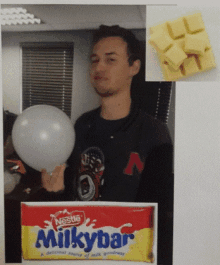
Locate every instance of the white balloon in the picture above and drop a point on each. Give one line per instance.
(9, 182)
(17, 178)
(43, 136)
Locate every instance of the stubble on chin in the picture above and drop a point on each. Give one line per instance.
(104, 94)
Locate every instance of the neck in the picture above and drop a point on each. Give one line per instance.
(116, 107)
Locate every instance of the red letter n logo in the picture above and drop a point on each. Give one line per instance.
(134, 161)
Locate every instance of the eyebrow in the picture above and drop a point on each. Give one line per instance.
(111, 53)
(107, 53)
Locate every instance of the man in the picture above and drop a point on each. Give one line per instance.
(121, 153)
(115, 141)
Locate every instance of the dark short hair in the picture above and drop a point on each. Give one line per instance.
(133, 44)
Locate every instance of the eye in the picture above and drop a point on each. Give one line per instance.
(111, 60)
(94, 61)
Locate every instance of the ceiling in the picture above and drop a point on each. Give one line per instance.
(77, 17)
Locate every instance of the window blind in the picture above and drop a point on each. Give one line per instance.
(163, 101)
(152, 97)
(47, 70)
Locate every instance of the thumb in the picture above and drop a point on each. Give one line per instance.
(43, 171)
(63, 166)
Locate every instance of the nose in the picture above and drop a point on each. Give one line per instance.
(99, 66)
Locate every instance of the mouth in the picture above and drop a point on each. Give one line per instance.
(97, 77)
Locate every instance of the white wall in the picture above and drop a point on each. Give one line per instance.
(197, 167)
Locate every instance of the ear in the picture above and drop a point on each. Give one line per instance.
(135, 67)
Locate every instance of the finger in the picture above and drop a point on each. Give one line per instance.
(59, 169)
(62, 168)
(9, 160)
(60, 172)
(44, 173)
(56, 171)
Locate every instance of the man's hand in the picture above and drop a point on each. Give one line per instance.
(16, 166)
(55, 181)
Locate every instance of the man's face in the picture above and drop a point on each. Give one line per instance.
(110, 72)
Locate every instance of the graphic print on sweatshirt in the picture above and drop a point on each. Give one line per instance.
(90, 174)
(134, 161)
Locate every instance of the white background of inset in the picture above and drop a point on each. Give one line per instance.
(159, 14)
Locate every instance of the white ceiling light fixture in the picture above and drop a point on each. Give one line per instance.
(17, 16)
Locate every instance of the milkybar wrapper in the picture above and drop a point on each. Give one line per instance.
(183, 47)
(84, 231)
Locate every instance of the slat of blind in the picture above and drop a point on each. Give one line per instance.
(61, 74)
(50, 55)
(44, 51)
(45, 59)
(48, 91)
(49, 95)
(47, 75)
(163, 102)
(43, 83)
(58, 55)
(58, 81)
(44, 68)
(49, 101)
(59, 100)
(44, 77)
(60, 105)
(56, 64)
(40, 56)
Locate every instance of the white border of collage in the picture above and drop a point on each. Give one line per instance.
(197, 167)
